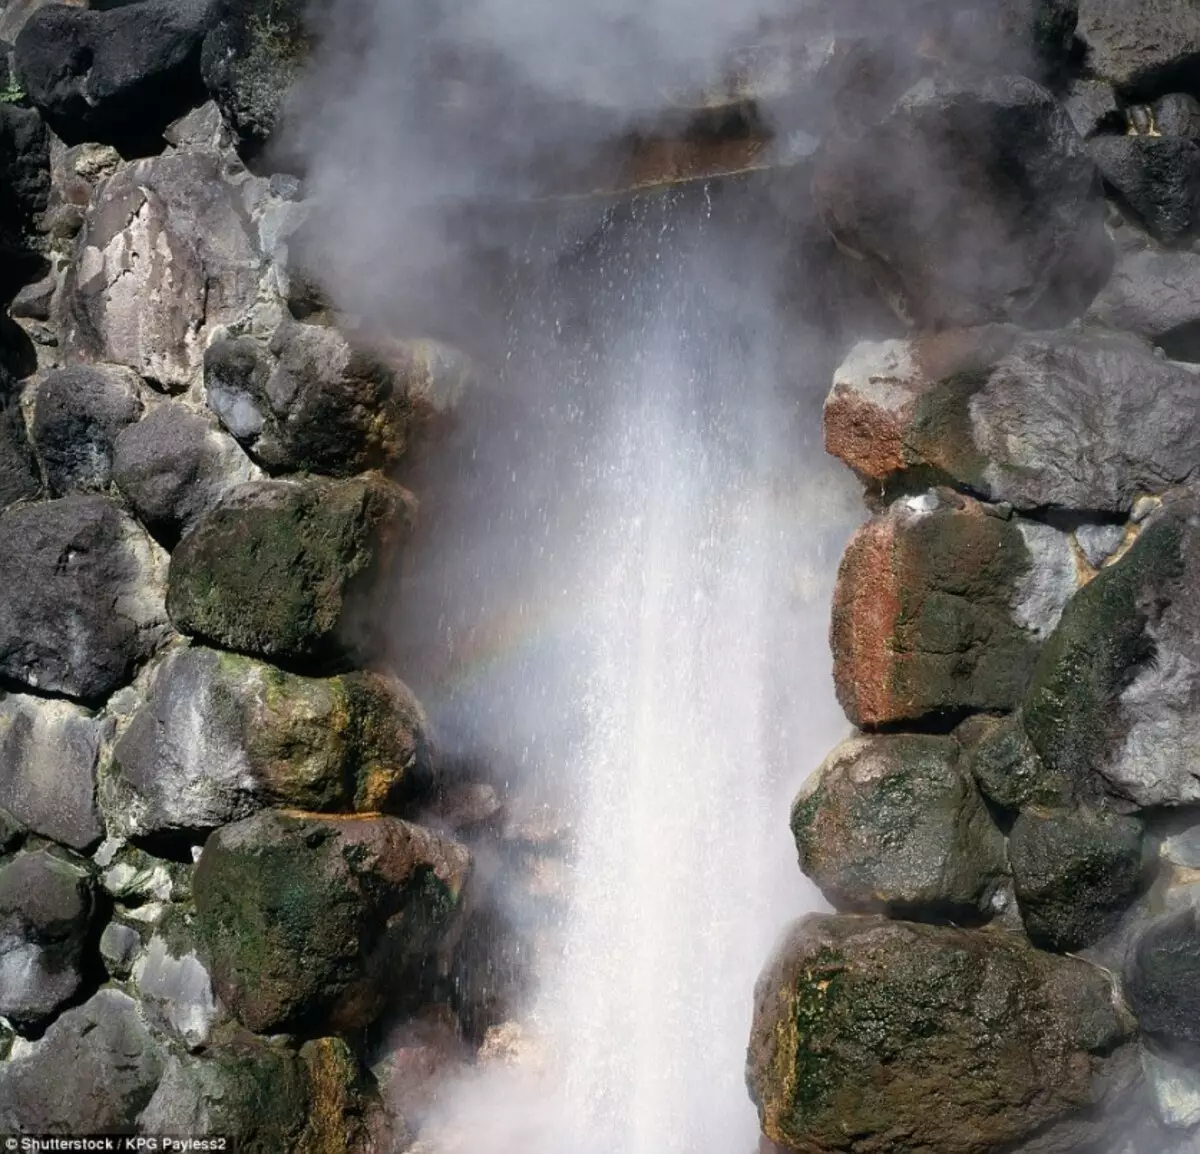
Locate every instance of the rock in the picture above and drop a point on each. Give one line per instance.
(77, 416)
(1140, 45)
(119, 946)
(1157, 178)
(48, 756)
(221, 736)
(1075, 873)
(85, 596)
(1174, 1087)
(1093, 108)
(252, 57)
(308, 402)
(1177, 114)
(924, 623)
(315, 921)
(165, 255)
(174, 986)
(892, 824)
(285, 570)
(46, 908)
(119, 76)
(883, 1035)
(93, 1072)
(1006, 767)
(18, 470)
(1098, 543)
(1162, 976)
(174, 466)
(1015, 231)
(1113, 701)
(999, 430)
(422, 1055)
(24, 194)
(16, 12)
(1157, 296)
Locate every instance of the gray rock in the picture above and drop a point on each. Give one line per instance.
(1177, 114)
(77, 416)
(1174, 1088)
(174, 466)
(85, 596)
(48, 756)
(1098, 543)
(1093, 108)
(1162, 976)
(1157, 296)
(1157, 178)
(46, 908)
(892, 824)
(18, 469)
(165, 255)
(119, 947)
(1134, 44)
(175, 988)
(93, 1072)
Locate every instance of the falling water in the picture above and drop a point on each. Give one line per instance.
(661, 524)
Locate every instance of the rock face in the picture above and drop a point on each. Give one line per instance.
(1138, 43)
(1014, 230)
(18, 470)
(893, 824)
(305, 920)
(221, 736)
(85, 601)
(1157, 296)
(1162, 976)
(1157, 178)
(883, 1035)
(281, 569)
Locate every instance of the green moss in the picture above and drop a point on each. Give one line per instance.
(815, 1021)
(939, 437)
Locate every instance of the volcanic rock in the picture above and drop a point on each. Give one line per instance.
(1140, 45)
(1157, 296)
(1157, 178)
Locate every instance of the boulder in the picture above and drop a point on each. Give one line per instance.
(1157, 178)
(175, 990)
(166, 253)
(307, 402)
(24, 192)
(1141, 46)
(1093, 108)
(285, 570)
(931, 616)
(893, 1037)
(48, 756)
(1162, 976)
(120, 945)
(174, 466)
(314, 922)
(93, 1072)
(47, 904)
(221, 736)
(1075, 872)
(84, 606)
(77, 416)
(18, 469)
(1000, 757)
(970, 204)
(1177, 114)
(993, 414)
(252, 57)
(893, 824)
(118, 76)
(1156, 295)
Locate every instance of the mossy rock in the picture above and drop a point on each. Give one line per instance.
(997, 752)
(893, 1037)
(311, 923)
(893, 824)
(285, 570)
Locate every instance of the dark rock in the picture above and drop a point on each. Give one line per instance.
(174, 466)
(1006, 767)
(970, 204)
(1075, 873)
(1157, 178)
(884, 1035)
(1157, 296)
(84, 605)
(252, 57)
(18, 469)
(24, 195)
(315, 921)
(892, 824)
(1093, 108)
(93, 1072)
(16, 12)
(46, 908)
(48, 756)
(284, 570)
(309, 403)
(77, 416)
(221, 736)
(118, 77)
(1177, 115)
(1143, 46)
(1162, 976)
(166, 255)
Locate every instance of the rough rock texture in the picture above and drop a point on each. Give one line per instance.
(18, 469)
(46, 908)
(1157, 296)
(77, 415)
(1140, 45)
(307, 401)
(93, 1072)
(925, 614)
(1162, 976)
(117, 76)
(1157, 178)
(1007, 768)
(891, 823)
(1075, 873)
(24, 193)
(1014, 228)
(176, 991)
(174, 466)
(893, 1037)
(283, 570)
(165, 254)
(309, 922)
(84, 605)
(48, 756)
(221, 736)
